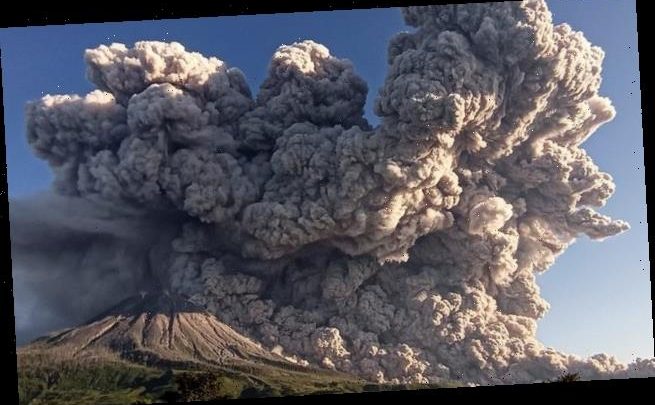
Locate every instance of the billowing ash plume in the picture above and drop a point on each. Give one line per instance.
(405, 252)
(64, 247)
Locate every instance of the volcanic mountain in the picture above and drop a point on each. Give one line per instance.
(158, 329)
(161, 347)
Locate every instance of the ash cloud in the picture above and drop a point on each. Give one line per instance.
(403, 253)
(73, 257)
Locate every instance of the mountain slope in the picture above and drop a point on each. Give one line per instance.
(158, 329)
(154, 347)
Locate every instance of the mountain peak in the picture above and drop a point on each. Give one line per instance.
(158, 328)
(147, 302)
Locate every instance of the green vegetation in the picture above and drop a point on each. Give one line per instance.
(49, 379)
(257, 382)
(203, 386)
(46, 379)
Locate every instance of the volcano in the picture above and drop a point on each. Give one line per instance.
(157, 347)
(158, 329)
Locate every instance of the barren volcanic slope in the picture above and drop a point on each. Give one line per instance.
(158, 329)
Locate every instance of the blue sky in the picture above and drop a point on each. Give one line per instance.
(599, 292)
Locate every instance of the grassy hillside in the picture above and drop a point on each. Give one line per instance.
(48, 379)
(45, 379)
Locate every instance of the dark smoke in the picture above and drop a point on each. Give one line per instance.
(74, 257)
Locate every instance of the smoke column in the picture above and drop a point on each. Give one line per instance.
(403, 253)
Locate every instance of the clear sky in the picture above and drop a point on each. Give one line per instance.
(599, 292)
